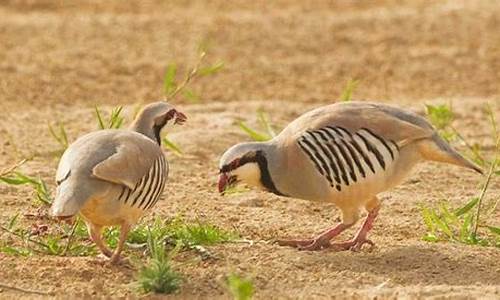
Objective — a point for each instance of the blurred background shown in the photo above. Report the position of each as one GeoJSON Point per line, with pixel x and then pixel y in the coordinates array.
{"type": "Point", "coordinates": [117, 51]}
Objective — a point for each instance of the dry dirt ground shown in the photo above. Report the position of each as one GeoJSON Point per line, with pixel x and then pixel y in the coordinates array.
{"type": "Point", "coordinates": [60, 58]}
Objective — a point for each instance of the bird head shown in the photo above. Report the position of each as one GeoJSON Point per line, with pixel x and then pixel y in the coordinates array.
{"type": "Point", "coordinates": [153, 117]}
{"type": "Point", "coordinates": [242, 163]}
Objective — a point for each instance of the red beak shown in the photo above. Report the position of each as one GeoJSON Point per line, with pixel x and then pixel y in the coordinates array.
{"type": "Point", "coordinates": [180, 118]}
{"type": "Point", "coordinates": [223, 178]}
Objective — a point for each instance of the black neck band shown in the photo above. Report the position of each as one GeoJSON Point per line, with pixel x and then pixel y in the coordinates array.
{"type": "Point", "coordinates": [156, 130]}
{"type": "Point", "coordinates": [265, 176]}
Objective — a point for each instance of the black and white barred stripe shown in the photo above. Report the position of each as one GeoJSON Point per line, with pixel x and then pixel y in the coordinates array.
{"type": "Point", "coordinates": [148, 190]}
{"type": "Point", "coordinates": [344, 158]}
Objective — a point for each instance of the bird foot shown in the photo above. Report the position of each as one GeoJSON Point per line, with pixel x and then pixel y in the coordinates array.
{"type": "Point", "coordinates": [354, 245]}
{"type": "Point", "coordinates": [106, 253]}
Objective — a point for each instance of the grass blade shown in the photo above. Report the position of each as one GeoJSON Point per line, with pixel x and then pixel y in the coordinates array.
{"type": "Point", "coordinates": [264, 122]}
{"type": "Point", "coordinates": [348, 90]}
{"type": "Point", "coordinates": [212, 69]}
{"type": "Point", "coordinates": [426, 214]}
{"type": "Point", "coordinates": [99, 118]}
{"type": "Point", "coordinates": [467, 207]}
{"type": "Point", "coordinates": [169, 80]}
{"type": "Point", "coordinates": [495, 230]}
{"type": "Point", "coordinates": [256, 136]}
{"type": "Point", "coordinates": [172, 146]}
{"type": "Point", "coordinates": [240, 288]}
{"type": "Point", "coordinates": [191, 96]}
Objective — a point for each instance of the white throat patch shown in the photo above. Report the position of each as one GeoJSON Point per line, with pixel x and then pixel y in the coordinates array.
{"type": "Point", "coordinates": [249, 173]}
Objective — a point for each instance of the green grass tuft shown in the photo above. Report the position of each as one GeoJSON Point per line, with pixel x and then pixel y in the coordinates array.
{"type": "Point", "coordinates": [198, 233]}
{"type": "Point", "coordinates": [172, 87]}
{"type": "Point", "coordinates": [42, 193]}
{"type": "Point", "coordinates": [115, 120]}
{"type": "Point", "coordinates": [59, 135]}
{"type": "Point", "coordinates": [240, 288]}
{"type": "Point", "coordinates": [157, 275]}
{"type": "Point", "coordinates": [348, 90]}
{"type": "Point", "coordinates": [171, 146]}
{"type": "Point", "coordinates": [175, 231]}
{"type": "Point", "coordinates": [267, 131]}
{"type": "Point", "coordinates": [441, 116]}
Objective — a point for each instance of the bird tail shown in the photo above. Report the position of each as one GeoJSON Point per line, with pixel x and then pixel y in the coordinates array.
{"type": "Point", "coordinates": [437, 149]}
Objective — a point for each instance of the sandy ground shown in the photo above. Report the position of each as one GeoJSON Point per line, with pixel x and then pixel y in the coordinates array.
{"type": "Point", "coordinates": [58, 60]}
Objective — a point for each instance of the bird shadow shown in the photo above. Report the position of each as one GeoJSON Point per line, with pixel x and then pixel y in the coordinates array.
{"type": "Point", "coordinates": [418, 265]}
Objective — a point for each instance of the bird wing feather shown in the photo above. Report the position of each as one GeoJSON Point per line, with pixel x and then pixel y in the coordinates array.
{"type": "Point", "coordinates": [130, 162]}
{"type": "Point", "coordinates": [389, 122]}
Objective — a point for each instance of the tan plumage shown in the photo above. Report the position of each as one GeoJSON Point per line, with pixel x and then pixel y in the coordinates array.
{"type": "Point", "coordinates": [112, 177]}
{"type": "Point", "coordinates": [344, 153]}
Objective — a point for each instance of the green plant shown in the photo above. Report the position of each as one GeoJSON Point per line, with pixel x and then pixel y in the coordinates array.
{"type": "Point", "coordinates": [266, 133]}
{"type": "Point", "coordinates": [48, 243]}
{"type": "Point", "coordinates": [445, 224]}
{"type": "Point", "coordinates": [173, 147]}
{"type": "Point", "coordinates": [462, 225]}
{"type": "Point", "coordinates": [60, 135]}
{"type": "Point", "coordinates": [348, 90]}
{"type": "Point", "coordinates": [42, 193]}
{"type": "Point", "coordinates": [441, 116]}
{"type": "Point", "coordinates": [177, 231]}
{"type": "Point", "coordinates": [158, 276]}
{"type": "Point", "coordinates": [240, 288]}
{"type": "Point", "coordinates": [235, 190]}
{"type": "Point", "coordinates": [198, 233]}
{"type": "Point", "coordinates": [172, 87]}
{"type": "Point", "coordinates": [115, 120]}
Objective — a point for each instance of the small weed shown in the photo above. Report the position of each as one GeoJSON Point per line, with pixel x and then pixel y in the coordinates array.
{"type": "Point", "coordinates": [171, 146]}
{"type": "Point", "coordinates": [462, 225]}
{"type": "Point", "coordinates": [266, 133]}
{"type": "Point", "coordinates": [175, 231]}
{"type": "Point", "coordinates": [240, 288]}
{"type": "Point", "coordinates": [172, 87]}
{"type": "Point", "coordinates": [59, 134]}
{"type": "Point", "coordinates": [42, 193]}
{"type": "Point", "coordinates": [158, 276]}
{"type": "Point", "coordinates": [348, 90]}
{"type": "Point", "coordinates": [444, 224]}
{"type": "Point", "coordinates": [198, 233]}
{"type": "Point", "coordinates": [441, 116]}
{"type": "Point", "coordinates": [115, 120]}
{"type": "Point", "coordinates": [235, 190]}
{"type": "Point", "coordinates": [46, 243]}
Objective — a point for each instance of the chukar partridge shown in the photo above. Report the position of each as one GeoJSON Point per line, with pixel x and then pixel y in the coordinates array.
{"type": "Point", "coordinates": [345, 153]}
{"type": "Point", "coordinates": [112, 177]}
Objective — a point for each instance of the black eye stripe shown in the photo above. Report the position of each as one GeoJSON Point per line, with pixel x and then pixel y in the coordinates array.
{"type": "Point", "coordinates": [58, 182]}
{"type": "Point", "coordinates": [247, 158]}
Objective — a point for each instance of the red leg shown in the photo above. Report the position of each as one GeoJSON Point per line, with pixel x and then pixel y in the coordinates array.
{"type": "Point", "coordinates": [320, 242]}
{"type": "Point", "coordinates": [359, 239]}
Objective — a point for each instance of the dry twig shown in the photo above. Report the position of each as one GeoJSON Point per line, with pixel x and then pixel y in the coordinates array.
{"type": "Point", "coordinates": [15, 288]}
